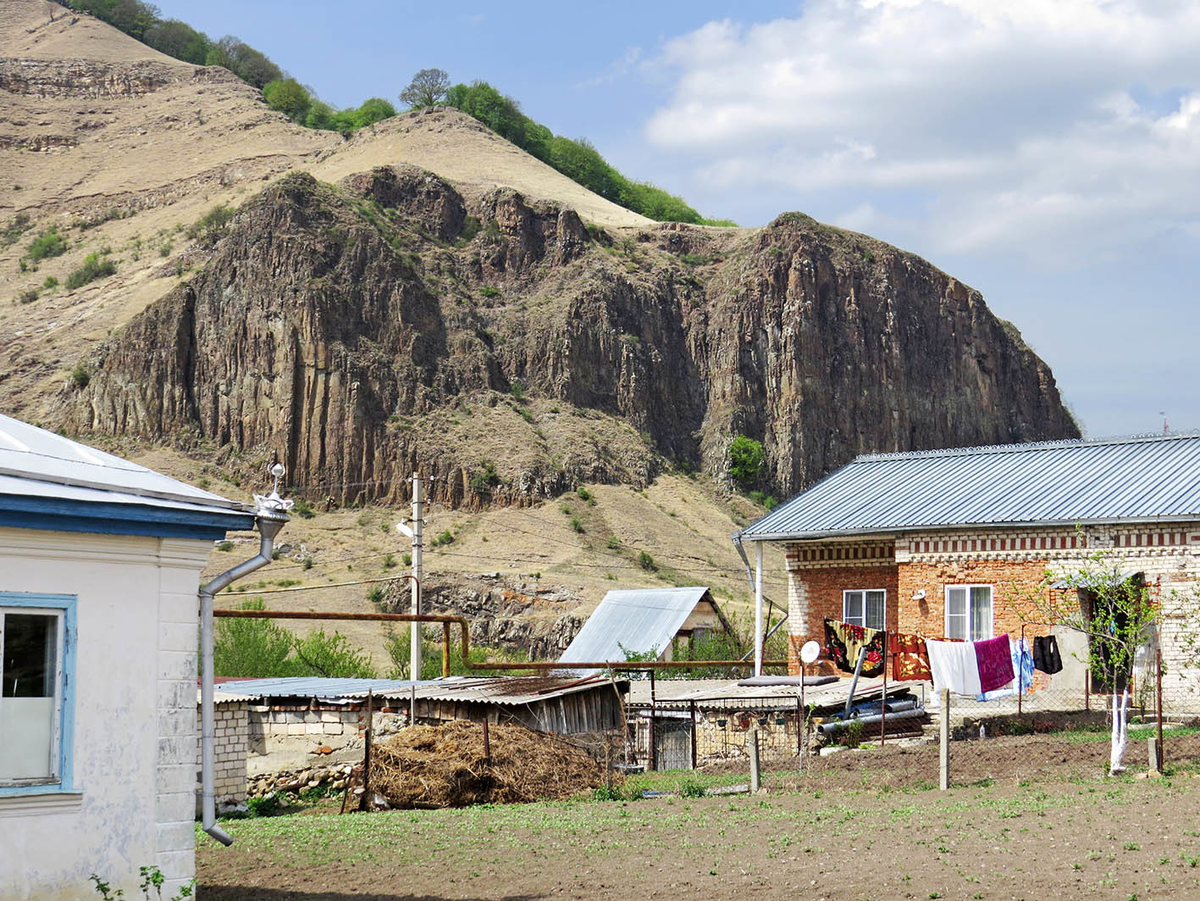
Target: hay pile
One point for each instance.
(444, 766)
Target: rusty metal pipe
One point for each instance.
(465, 629)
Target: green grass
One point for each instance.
(1136, 733)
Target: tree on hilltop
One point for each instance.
(427, 88)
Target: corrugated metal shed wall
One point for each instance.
(637, 620)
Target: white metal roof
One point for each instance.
(35, 462)
(1138, 479)
(639, 621)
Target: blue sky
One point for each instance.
(1047, 154)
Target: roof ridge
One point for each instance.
(1022, 447)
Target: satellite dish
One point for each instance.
(810, 652)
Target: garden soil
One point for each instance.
(1028, 818)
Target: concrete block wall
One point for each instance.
(231, 747)
(335, 726)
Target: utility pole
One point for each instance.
(415, 533)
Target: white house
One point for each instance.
(100, 562)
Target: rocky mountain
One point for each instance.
(387, 324)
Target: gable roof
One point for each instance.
(1115, 480)
(638, 620)
(51, 482)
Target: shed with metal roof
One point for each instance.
(644, 621)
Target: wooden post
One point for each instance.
(752, 747)
(487, 741)
(365, 800)
(692, 706)
(944, 756)
(653, 747)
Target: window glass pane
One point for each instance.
(874, 614)
(956, 613)
(852, 607)
(981, 612)
(27, 695)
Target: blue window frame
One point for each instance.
(37, 692)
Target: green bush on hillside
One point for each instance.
(93, 268)
(578, 160)
(47, 244)
(746, 458)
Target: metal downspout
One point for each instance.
(269, 519)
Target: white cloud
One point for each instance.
(1052, 128)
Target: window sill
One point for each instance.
(50, 799)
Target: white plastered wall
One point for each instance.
(135, 716)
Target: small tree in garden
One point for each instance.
(1119, 615)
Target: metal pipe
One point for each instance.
(270, 518)
(464, 626)
(862, 655)
(914, 712)
(758, 611)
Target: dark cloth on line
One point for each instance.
(1045, 654)
(994, 658)
(842, 644)
(910, 658)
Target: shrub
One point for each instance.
(93, 268)
(444, 538)
(225, 546)
(47, 244)
(212, 226)
(646, 562)
(80, 376)
(607, 793)
(578, 526)
(303, 508)
(376, 595)
(12, 232)
(746, 459)
(50, 283)
(485, 479)
(517, 389)
(389, 561)
(29, 295)
(691, 788)
(763, 499)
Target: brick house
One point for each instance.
(951, 543)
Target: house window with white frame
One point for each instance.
(969, 612)
(865, 607)
(36, 715)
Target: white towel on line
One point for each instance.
(954, 666)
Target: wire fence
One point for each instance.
(1072, 710)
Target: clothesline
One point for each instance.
(984, 669)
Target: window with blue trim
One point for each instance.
(36, 707)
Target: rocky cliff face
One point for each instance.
(362, 331)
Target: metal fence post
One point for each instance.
(944, 756)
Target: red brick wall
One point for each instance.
(1011, 582)
(825, 587)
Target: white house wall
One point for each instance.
(135, 716)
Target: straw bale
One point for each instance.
(444, 766)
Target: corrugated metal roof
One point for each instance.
(509, 689)
(317, 687)
(505, 690)
(41, 463)
(727, 694)
(1136, 479)
(639, 620)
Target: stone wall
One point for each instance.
(231, 747)
(334, 726)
